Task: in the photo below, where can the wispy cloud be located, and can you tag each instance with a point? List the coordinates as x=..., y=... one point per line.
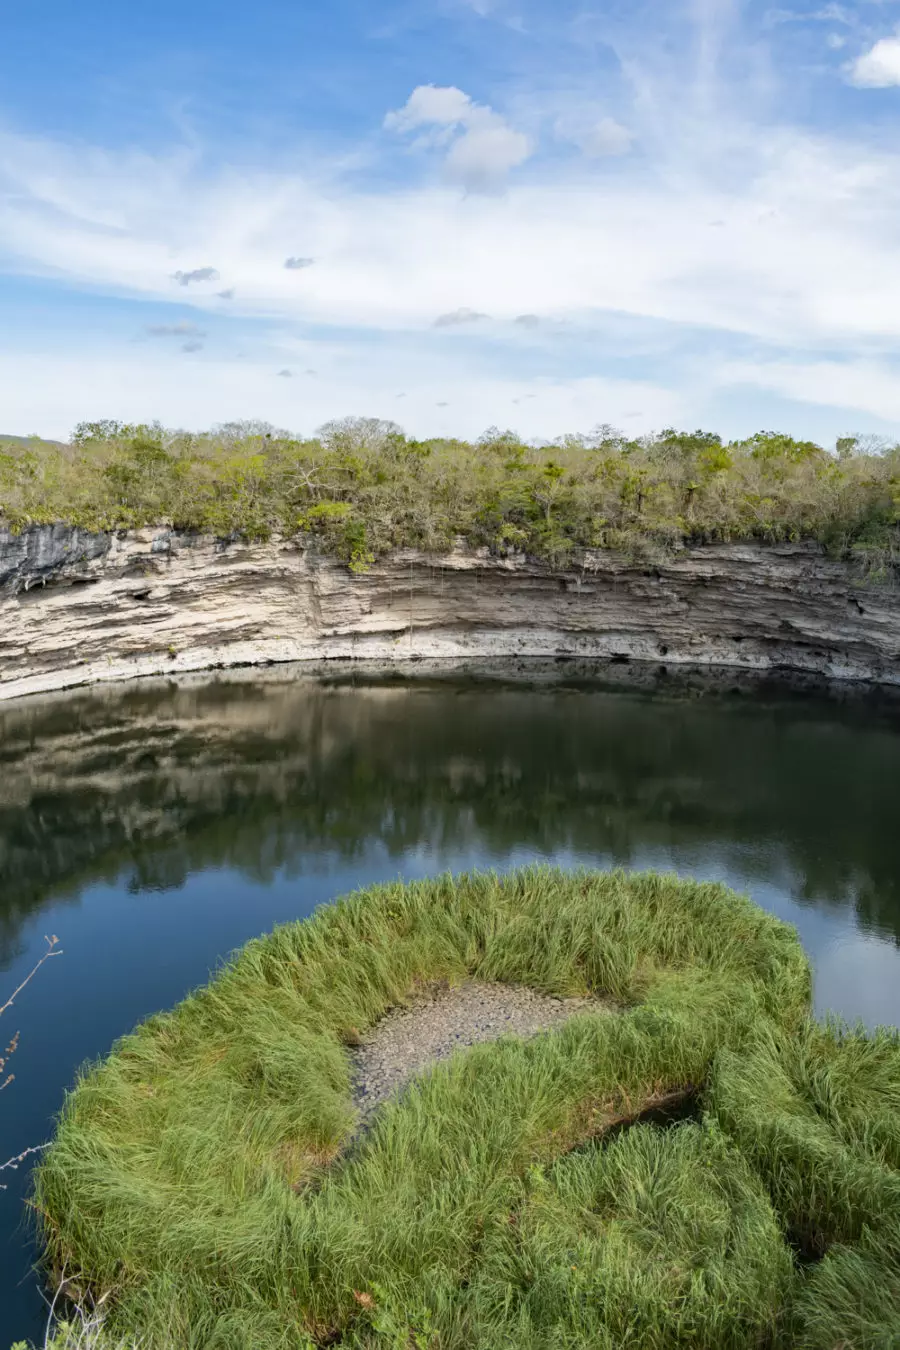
x=286, y=374
x=606, y=137
x=192, y=347
x=833, y=13
x=596, y=138
x=182, y=329
x=811, y=254
x=829, y=13
x=455, y=317
x=872, y=385
x=728, y=121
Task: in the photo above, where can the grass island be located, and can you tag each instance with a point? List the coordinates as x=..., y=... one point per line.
x=686, y=1158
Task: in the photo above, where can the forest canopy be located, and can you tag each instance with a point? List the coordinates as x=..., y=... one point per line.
x=363, y=488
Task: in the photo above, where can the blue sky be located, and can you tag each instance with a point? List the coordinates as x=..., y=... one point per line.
x=452, y=214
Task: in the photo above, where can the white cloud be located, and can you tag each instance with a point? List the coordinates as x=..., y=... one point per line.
x=482, y=147
x=363, y=383
x=487, y=151
x=86, y=385
x=606, y=137
x=866, y=386
x=430, y=105
x=878, y=68
x=835, y=41
x=809, y=261
x=823, y=267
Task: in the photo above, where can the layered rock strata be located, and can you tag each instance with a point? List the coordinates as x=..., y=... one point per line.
x=77, y=608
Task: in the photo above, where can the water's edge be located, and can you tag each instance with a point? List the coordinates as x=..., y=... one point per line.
x=78, y=608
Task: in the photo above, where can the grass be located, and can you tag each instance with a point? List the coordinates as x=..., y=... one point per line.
x=200, y=1182
x=360, y=488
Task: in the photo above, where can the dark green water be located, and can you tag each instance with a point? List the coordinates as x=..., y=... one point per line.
x=157, y=827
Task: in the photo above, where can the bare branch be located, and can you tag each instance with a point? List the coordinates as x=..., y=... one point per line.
x=51, y=951
x=12, y=1164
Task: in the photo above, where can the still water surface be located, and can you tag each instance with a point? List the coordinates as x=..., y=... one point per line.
x=156, y=827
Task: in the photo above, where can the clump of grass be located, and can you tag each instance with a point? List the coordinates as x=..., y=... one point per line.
x=817, y=1115
x=663, y=1238
x=853, y=1297
x=200, y=1179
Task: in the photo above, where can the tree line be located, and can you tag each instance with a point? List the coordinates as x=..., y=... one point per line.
x=363, y=488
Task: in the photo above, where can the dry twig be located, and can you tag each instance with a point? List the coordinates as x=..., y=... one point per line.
x=53, y=949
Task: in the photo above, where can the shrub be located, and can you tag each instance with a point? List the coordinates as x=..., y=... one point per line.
x=362, y=488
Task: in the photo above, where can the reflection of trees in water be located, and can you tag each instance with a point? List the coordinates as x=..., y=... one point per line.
x=164, y=782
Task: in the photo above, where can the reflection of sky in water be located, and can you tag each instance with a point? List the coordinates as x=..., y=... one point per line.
x=151, y=956
x=856, y=974
x=865, y=969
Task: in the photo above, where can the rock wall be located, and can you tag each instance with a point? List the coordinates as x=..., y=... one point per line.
x=76, y=608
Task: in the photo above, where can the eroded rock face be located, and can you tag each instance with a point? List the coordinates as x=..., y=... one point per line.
x=77, y=608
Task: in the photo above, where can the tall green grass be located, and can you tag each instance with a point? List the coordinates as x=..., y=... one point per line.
x=817, y=1115
x=201, y=1177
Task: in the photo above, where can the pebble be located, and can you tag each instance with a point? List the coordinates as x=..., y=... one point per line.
x=435, y=1024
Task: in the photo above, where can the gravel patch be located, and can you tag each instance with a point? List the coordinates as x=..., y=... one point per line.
x=435, y=1023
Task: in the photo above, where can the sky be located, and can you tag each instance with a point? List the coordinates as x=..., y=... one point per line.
x=541, y=215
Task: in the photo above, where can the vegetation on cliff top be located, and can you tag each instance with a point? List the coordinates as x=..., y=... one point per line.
x=200, y=1183
x=364, y=488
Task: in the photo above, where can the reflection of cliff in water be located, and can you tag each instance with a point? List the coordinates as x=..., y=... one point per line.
x=157, y=782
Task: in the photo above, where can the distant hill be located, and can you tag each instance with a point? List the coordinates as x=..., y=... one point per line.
x=26, y=440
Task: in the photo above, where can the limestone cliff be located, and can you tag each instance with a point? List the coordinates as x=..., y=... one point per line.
x=77, y=608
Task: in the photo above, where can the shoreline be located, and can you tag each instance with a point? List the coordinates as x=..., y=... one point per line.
x=378, y=659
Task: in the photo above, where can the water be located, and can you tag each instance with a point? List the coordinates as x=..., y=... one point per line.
x=156, y=827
